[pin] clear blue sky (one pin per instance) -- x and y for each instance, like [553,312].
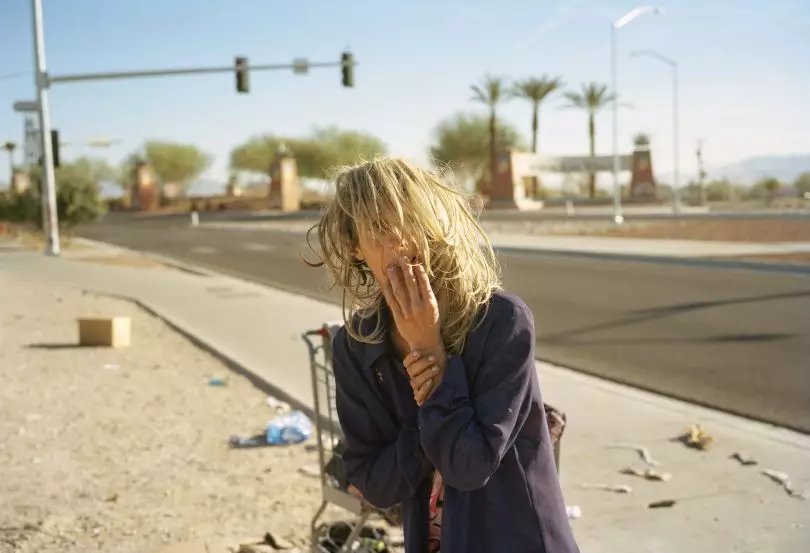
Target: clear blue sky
[744,64]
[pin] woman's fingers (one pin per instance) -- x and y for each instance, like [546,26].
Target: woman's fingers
[423,283]
[400,289]
[423,392]
[417,366]
[390,297]
[422,378]
[410,283]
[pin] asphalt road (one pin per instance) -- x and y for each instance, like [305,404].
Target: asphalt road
[734,339]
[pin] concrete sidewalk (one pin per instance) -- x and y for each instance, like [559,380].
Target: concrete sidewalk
[720,505]
[600,245]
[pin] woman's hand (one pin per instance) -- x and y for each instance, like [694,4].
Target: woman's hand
[415,309]
[425,373]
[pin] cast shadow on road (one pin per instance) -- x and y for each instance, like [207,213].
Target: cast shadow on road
[654,313]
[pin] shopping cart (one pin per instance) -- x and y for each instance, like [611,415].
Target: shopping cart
[335,488]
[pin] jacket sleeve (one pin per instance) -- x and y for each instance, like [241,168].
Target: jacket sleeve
[386,472]
[465,433]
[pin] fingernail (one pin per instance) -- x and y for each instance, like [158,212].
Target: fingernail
[429,384]
[435,369]
[415,353]
[431,358]
[391,267]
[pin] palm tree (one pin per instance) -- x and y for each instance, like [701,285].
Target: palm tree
[535,91]
[491,92]
[592,98]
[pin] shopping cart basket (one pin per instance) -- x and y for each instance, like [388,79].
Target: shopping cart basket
[335,488]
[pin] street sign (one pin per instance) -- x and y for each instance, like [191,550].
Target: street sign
[24,106]
[300,66]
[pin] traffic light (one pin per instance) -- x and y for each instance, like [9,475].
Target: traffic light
[242,82]
[347,69]
[55,147]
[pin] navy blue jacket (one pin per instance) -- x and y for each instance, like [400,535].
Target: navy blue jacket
[483,428]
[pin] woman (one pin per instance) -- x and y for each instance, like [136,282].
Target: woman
[437,392]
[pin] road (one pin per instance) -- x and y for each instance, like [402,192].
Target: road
[734,339]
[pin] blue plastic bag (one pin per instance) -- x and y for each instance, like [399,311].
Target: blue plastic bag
[290,428]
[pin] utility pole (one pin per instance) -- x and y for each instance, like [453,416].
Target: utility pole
[701,171]
[48,194]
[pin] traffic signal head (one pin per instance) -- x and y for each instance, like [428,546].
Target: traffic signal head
[242,82]
[55,147]
[347,69]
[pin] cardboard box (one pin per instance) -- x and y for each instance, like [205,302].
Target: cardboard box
[112,332]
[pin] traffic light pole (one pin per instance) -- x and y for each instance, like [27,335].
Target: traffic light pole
[50,221]
[182,71]
[44,80]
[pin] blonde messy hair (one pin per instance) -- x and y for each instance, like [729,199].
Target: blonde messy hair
[391,197]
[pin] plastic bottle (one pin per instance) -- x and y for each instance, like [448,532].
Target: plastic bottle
[290,428]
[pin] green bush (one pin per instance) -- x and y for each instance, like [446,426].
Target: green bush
[78,199]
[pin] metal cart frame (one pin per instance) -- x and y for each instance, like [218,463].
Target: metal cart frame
[329,434]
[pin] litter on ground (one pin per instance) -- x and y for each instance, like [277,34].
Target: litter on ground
[783,479]
[648,474]
[643,452]
[615,488]
[695,437]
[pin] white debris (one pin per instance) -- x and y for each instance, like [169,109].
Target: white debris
[615,488]
[783,479]
[643,452]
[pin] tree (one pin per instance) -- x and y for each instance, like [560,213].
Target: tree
[78,198]
[802,185]
[346,147]
[174,162]
[592,98]
[719,190]
[462,141]
[325,148]
[535,91]
[771,186]
[491,92]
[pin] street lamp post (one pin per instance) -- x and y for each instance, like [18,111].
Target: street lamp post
[615,26]
[676,184]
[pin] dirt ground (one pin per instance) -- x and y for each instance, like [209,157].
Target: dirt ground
[731,230]
[127,450]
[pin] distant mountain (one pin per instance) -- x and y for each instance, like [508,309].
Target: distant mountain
[752,169]
[748,171]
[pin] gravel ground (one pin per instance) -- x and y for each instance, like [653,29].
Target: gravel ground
[126,450]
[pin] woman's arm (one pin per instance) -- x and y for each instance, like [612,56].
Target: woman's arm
[466,435]
[386,473]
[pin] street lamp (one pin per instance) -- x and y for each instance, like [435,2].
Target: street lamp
[676,190]
[615,26]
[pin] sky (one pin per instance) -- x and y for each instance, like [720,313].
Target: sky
[744,83]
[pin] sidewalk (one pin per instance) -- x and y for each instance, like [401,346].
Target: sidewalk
[647,247]
[600,245]
[720,505]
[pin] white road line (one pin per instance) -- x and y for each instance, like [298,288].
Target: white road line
[256,247]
